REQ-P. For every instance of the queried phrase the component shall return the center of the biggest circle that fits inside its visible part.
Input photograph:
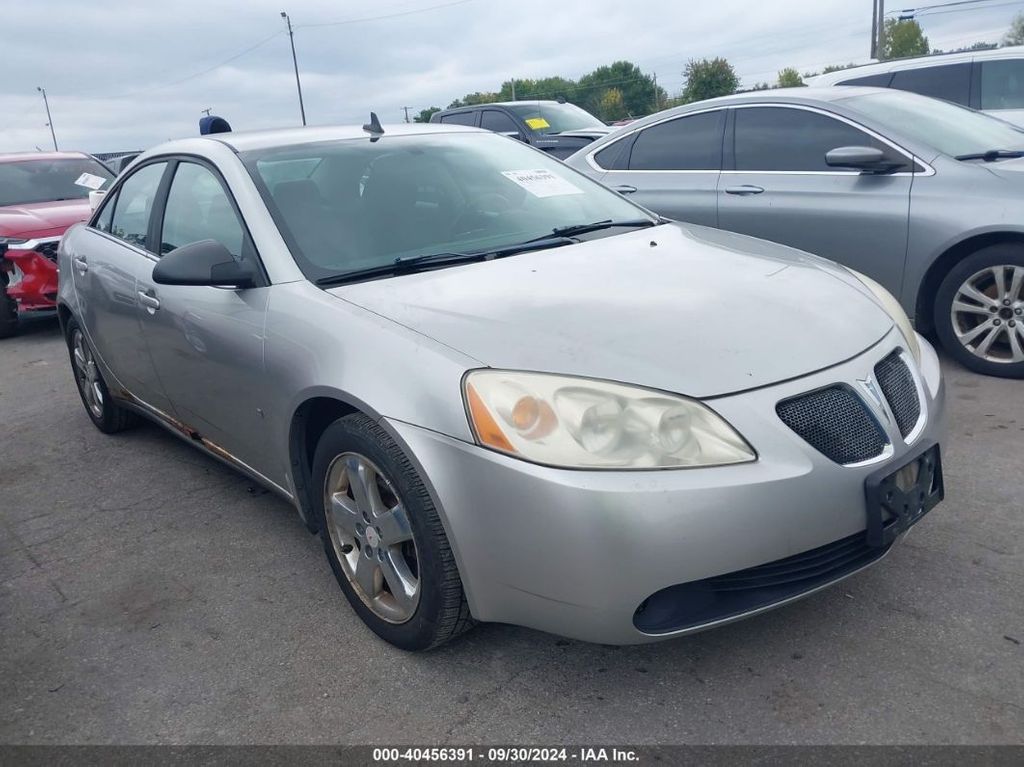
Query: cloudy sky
(123, 75)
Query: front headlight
(580, 423)
(892, 307)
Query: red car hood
(42, 219)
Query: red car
(41, 195)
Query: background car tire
(111, 417)
(441, 612)
(8, 311)
(1006, 255)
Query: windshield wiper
(992, 155)
(575, 229)
(410, 264)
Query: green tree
(789, 78)
(1015, 35)
(902, 38)
(612, 106)
(708, 78)
(837, 67)
(542, 88)
(640, 94)
(425, 114)
(473, 98)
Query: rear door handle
(80, 264)
(744, 190)
(150, 301)
(624, 189)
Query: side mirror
(865, 158)
(206, 262)
(95, 198)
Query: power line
(384, 16)
(936, 5)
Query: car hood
(42, 218)
(689, 310)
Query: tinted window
(104, 220)
(198, 208)
(686, 143)
(29, 181)
(1002, 84)
(499, 122)
(134, 204)
(613, 156)
(874, 81)
(460, 118)
(776, 138)
(548, 117)
(951, 82)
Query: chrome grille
(835, 422)
(897, 384)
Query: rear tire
(979, 311)
(8, 311)
(105, 413)
(397, 571)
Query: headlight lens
(893, 309)
(584, 424)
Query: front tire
(106, 415)
(979, 311)
(8, 311)
(384, 539)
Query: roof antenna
(374, 127)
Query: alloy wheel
(87, 374)
(988, 314)
(371, 536)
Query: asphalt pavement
(149, 594)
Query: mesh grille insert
(835, 422)
(48, 249)
(897, 384)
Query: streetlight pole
(295, 61)
(49, 120)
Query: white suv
(990, 80)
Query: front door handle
(151, 302)
(744, 190)
(624, 189)
(80, 264)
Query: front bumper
(32, 274)
(576, 553)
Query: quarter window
(1002, 84)
(781, 139)
(951, 82)
(197, 209)
(686, 143)
(134, 205)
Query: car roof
(915, 62)
(521, 102)
(245, 141)
(24, 156)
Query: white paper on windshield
(541, 183)
(90, 181)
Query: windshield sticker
(90, 181)
(541, 183)
(538, 123)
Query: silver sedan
(499, 391)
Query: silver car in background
(499, 391)
(924, 196)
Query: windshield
(351, 205)
(29, 181)
(951, 129)
(555, 118)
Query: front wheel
(384, 538)
(8, 311)
(979, 311)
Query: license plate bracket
(896, 500)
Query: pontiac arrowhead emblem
(870, 387)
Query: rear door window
(951, 82)
(1002, 84)
(685, 143)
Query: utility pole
(880, 31)
(874, 29)
(295, 61)
(513, 89)
(406, 110)
(49, 120)
(206, 111)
